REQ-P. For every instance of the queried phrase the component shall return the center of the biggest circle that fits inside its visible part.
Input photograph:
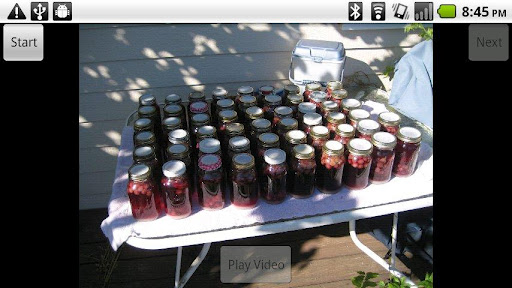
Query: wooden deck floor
(321, 257)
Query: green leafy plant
(363, 280)
(394, 282)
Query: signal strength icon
(378, 11)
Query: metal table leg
(389, 267)
(179, 283)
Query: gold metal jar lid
(345, 130)
(196, 96)
(274, 156)
(219, 93)
(360, 146)
(247, 100)
(306, 107)
(228, 115)
(198, 107)
(350, 103)
(239, 143)
(283, 111)
(200, 119)
(272, 99)
(206, 131)
(319, 132)
(174, 168)
(266, 89)
(339, 94)
(244, 90)
(358, 114)
(330, 106)
(146, 111)
(318, 96)
(147, 99)
(172, 99)
(144, 137)
(368, 126)
(243, 161)
(303, 151)
(235, 129)
(312, 119)
(287, 124)
(171, 122)
(333, 147)
(178, 135)
(336, 117)
(139, 172)
(295, 136)
(173, 110)
(143, 153)
(226, 104)
(260, 124)
(409, 134)
(389, 118)
(295, 98)
(253, 112)
(177, 151)
(314, 86)
(268, 139)
(142, 123)
(334, 85)
(384, 140)
(209, 145)
(292, 89)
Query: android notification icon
(62, 11)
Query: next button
(488, 42)
(23, 42)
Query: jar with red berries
(349, 104)
(147, 138)
(366, 128)
(389, 122)
(289, 89)
(150, 112)
(198, 120)
(333, 120)
(141, 191)
(226, 117)
(356, 173)
(270, 102)
(273, 180)
(281, 112)
(285, 125)
(211, 182)
(142, 124)
(150, 100)
(317, 138)
(252, 113)
(356, 115)
(171, 123)
(293, 138)
(182, 153)
(293, 101)
(310, 120)
(147, 155)
(232, 130)
(246, 101)
(196, 96)
(406, 151)
(383, 156)
(317, 98)
(179, 136)
(237, 144)
(258, 126)
(303, 109)
(328, 107)
(217, 94)
(174, 110)
(338, 96)
(301, 179)
(245, 186)
(265, 142)
(310, 87)
(262, 92)
(175, 188)
(344, 132)
(209, 146)
(331, 86)
(204, 132)
(329, 172)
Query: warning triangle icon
(16, 13)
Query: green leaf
(382, 284)
(371, 275)
(358, 281)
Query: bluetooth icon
(355, 11)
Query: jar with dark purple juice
(356, 115)
(217, 94)
(328, 107)
(245, 102)
(329, 172)
(142, 124)
(317, 98)
(141, 191)
(366, 128)
(389, 122)
(204, 132)
(293, 138)
(232, 130)
(237, 144)
(150, 112)
(198, 120)
(171, 123)
(175, 188)
(331, 86)
(262, 92)
(175, 110)
(310, 87)
(150, 100)
(383, 156)
(349, 104)
(357, 171)
(317, 138)
(209, 146)
(196, 96)
(148, 138)
(406, 151)
(301, 179)
(333, 120)
(289, 89)
(310, 120)
(270, 102)
(224, 104)
(338, 96)
(245, 186)
(258, 126)
(281, 112)
(175, 99)
(293, 101)
(179, 136)
(285, 125)
(273, 180)
(252, 113)
(302, 109)
(226, 117)
(211, 182)
(242, 91)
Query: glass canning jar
(332, 85)
(356, 115)
(329, 172)
(359, 160)
(333, 120)
(338, 95)
(366, 128)
(258, 126)
(349, 104)
(310, 120)
(270, 102)
(237, 144)
(241, 91)
(302, 109)
(283, 126)
(293, 138)
(175, 188)
(147, 155)
(150, 100)
(226, 117)
(310, 87)
(252, 113)
(197, 121)
(179, 136)
(273, 172)
(204, 132)
(317, 98)
(232, 130)
(344, 132)
(246, 101)
(406, 151)
(317, 138)
(225, 104)
(173, 99)
(217, 94)
(265, 142)
(150, 112)
(196, 96)
(383, 156)
(175, 110)
(328, 107)
(301, 179)
(198, 107)
(281, 112)
(211, 182)
(293, 101)
(245, 185)
(209, 146)
(289, 89)
(264, 91)
(389, 122)
(181, 152)
(171, 123)
(141, 191)
(147, 138)
(142, 124)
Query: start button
(23, 42)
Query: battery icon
(446, 10)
